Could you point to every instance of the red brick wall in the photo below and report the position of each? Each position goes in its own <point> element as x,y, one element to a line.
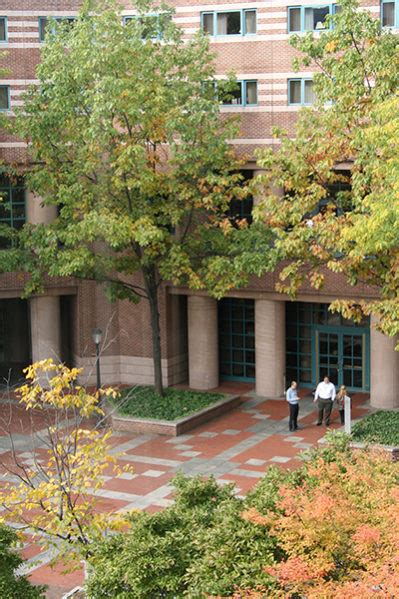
<point>266,57</point>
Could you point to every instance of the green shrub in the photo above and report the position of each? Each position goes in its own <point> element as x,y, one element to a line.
<point>13,586</point>
<point>197,546</point>
<point>151,559</point>
<point>143,402</point>
<point>381,427</point>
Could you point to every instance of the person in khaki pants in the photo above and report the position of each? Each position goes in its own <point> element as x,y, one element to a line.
<point>324,396</point>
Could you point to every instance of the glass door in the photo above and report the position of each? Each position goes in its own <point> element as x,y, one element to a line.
<point>328,356</point>
<point>342,356</point>
<point>353,361</point>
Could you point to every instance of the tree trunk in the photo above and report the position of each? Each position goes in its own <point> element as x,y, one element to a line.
<point>152,295</point>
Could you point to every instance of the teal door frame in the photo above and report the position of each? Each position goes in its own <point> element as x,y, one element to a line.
<point>340,332</point>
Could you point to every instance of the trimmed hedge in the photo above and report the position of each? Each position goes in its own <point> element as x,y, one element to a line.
<point>381,427</point>
<point>143,402</point>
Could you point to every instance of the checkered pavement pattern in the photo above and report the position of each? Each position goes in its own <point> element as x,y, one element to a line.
<point>237,447</point>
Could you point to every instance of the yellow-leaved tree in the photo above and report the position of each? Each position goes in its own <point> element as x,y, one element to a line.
<point>53,494</point>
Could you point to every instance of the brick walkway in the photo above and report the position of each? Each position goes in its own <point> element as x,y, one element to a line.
<point>237,447</point>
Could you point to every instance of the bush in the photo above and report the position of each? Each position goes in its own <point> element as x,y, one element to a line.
<point>143,402</point>
<point>381,427</point>
<point>337,530</point>
<point>12,585</point>
<point>197,546</point>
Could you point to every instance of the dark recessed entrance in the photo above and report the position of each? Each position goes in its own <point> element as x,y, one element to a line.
<point>15,344</point>
<point>237,339</point>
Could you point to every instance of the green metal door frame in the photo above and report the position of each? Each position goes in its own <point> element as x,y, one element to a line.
<point>342,331</point>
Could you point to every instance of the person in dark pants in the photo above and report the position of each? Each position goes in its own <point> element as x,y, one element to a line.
<point>293,402</point>
<point>324,396</point>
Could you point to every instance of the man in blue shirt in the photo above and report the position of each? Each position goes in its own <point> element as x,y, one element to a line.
<point>293,402</point>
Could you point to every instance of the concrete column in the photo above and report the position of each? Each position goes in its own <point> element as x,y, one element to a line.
<point>203,357</point>
<point>37,212</point>
<point>270,347</point>
<point>45,327</point>
<point>384,367</point>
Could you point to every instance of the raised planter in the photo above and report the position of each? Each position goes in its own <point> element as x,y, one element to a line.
<point>174,427</point>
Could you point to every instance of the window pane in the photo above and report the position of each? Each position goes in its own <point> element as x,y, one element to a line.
<point>42,28</point>
<point>305,376</point>
<point>295,92</point>
<point>234,96</point>
<point>150,27</point>
<point>388,14</point>
<point>294,19</point>
<point>319,17</point>
<point>250,21</point>
<point>309,93</point>
<point>3,30</point>
<point>308,19</point>
<point>207,23</point>
<point>252,92</point>
<point>229,23</point>
<point>4,104</point>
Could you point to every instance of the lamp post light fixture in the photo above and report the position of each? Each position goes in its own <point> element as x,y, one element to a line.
<point>97,335</point>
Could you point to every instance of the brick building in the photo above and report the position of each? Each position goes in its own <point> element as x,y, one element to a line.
<point>254,334</point>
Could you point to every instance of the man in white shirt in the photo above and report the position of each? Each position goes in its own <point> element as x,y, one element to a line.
<point>324,396</point>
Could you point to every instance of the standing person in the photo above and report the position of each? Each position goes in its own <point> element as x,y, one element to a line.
<point>341,396</point>
<point>324,396</point>
<point>293,402</point>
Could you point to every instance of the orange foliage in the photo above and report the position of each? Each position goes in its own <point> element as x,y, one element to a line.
<point>339,531</point>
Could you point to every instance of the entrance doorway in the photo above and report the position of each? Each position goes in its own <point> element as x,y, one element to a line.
<point>237,339</point>
<point>320,343</point>
<point>15,344</point>
<point>342,357</point>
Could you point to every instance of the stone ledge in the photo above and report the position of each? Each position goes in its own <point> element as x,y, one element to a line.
<point>175,428</point>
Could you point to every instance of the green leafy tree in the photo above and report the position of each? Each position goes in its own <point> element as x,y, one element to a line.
<point>354,119</point>
<point>125,138</point>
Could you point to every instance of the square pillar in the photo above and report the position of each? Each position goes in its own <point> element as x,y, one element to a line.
<point>270,347</point>
<point>203,354</point>
<point>384,369</point>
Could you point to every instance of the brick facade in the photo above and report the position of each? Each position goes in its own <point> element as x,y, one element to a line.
<point>265,57</point>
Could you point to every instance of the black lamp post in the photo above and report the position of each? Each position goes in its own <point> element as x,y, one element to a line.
<point>97,336</point>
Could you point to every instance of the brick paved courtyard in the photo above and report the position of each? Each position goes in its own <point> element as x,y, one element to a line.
<point>237,447</point>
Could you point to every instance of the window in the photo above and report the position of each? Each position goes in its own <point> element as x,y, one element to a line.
<point>338,197</point>
<point>12,206</point>
<point>4,97</point>
<point>388,17</point>
<point>152,24</point>
<point>234,22</point>
<point>309,18</point>
<point>244,93</point>
<point>3,29</point>
<point>241,209</point>
<point>300,92</point>
<point>45,21</point>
